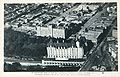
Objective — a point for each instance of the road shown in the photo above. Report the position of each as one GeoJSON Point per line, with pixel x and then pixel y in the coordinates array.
{"type": "Point", "coordinates": [23, 62]}
{"type": "Point", "coordinates": [91, 58]}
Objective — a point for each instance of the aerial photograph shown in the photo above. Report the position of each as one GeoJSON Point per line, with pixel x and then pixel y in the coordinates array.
{"type": "Point", "coordinates": [60, 37]}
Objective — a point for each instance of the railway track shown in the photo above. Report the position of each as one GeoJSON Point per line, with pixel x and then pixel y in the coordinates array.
{"type": "Point", "coordinates": [91, 57]}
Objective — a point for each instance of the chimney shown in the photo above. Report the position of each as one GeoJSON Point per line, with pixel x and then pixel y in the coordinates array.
{"type": "Point", "coordinates": [72, 46]}
{"type": "Point", "coordinates": [61, 48]}
{"type": "Point", "coordinates": [50, 46]}
{"type": "Point", "coordinates": [57, 41]}
{"type": "Point", "coordinates": [63, 41]}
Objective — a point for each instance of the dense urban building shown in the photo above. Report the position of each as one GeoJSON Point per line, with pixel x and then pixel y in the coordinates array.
{"type": "Point", "coordinates": [60, 36]}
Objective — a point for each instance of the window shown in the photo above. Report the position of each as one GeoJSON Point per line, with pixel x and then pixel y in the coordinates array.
{"type": "Point", "coordinates": [52, 62]}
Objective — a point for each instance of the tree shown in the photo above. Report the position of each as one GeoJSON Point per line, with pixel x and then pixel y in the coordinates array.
{"type": "Point", "coordinates": [108, 68]}
{"type": "Point", "coordinates": [100, 8]}
{"type": "Point", "coordinates": [16, 66]}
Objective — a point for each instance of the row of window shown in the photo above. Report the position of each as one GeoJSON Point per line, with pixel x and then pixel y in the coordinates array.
{"type": "Point", "coordinates": [58, 63]}
{"type": "Point", "coordinates": [62, 51]}
{"type": "Point", "coordinates": [55, 54]}
{"type": "Point", "coordinates": [60, 56]}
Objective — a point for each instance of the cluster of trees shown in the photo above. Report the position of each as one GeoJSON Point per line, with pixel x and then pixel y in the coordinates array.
{"type": "Point", "coordinates": [16, 66]}
{"type": "Point", "coordinates": [17, 43]}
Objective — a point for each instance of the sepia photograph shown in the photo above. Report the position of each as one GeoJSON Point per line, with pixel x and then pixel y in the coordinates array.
{"type": "Point", "coordinates": [60, 37]}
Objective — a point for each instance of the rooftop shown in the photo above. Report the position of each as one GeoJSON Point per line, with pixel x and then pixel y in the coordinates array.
{"type": "Point", "coordinates": [91, 34]}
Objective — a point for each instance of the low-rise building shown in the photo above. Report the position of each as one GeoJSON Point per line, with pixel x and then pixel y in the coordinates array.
{"type": "Point", "coordinates": [94, 36]}
{"type": "Point", "coordinates": [114, 33]}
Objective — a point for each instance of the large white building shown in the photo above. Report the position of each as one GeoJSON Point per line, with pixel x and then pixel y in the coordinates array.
{"type": "Point", "coordinates": [64, 51]}
{"type": "Point", "coordinates": [64, 54]}
{"type": "Point", "coordinates": [49, 31]}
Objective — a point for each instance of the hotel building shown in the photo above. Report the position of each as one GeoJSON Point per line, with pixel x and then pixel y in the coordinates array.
{"type": "Point", "coordinates": [64, 54]}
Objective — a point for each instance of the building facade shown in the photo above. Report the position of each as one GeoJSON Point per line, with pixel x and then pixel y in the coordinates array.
{"type": "Point", "coordinates": [61, 63]}
{"type": "Point", "coordinates": [49, 31]}
{"type": "Point", "coordinates": [64, 53]}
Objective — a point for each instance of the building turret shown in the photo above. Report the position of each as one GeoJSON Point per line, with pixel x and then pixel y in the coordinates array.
{"type": "Point", "coordinates": [77, 44]}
